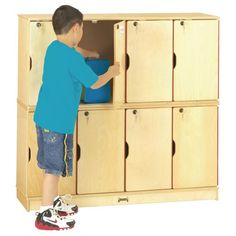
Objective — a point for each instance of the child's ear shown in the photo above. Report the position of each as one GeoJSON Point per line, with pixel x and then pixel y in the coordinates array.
{"type": "Point", "coordinates": [74, 27]}
{"type": "Point", "coordinates": [78, 26]}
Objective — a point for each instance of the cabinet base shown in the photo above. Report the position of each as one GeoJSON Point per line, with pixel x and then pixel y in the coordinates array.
{"type": "Point", "coordinates": [137, 197]}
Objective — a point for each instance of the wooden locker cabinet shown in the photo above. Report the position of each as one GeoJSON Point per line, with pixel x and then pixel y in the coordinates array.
{"type": "Point", "coordinates": [156, 140]}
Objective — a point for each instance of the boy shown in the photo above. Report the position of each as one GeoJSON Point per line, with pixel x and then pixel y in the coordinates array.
{"type": "Point", "coordinates": [64, 73]}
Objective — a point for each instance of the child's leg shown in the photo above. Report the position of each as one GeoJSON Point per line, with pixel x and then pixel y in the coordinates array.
{"type": "Point", "coordinates": [48, 218]}
{"type": "Point", "coordinates": [50, 189]}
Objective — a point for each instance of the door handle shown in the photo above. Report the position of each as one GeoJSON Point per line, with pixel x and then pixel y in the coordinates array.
{"type": "Point", "coordinates": [127, 61]}
{"type": "Point", "coordinates": [78, 152]}
{"type": "Point", "coordinates": [30, 65]}
{"type": "Point", "coordinates": [174, 60]}
{"type": "Point", "coordinates": [29, 154]}
{"type": "Point", "coordinates": [126, 150]}
{"type": "Point", "coordinates": [173, 148]}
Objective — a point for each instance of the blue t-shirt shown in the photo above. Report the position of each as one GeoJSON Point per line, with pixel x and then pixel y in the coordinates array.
{"type": "Point", "coordinates": [64, 73]}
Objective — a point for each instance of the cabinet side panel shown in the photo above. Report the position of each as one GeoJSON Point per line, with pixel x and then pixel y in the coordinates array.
{"type": "Point", "coordinates": [34, 174]}
{"type": "Point", "coordinates": [23, 59]}
{"type": "Point", "coordinates": [22, 149]}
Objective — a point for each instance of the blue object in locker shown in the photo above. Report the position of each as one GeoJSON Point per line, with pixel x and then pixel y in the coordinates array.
{"type": "Point", "coordinates": [102, 94]}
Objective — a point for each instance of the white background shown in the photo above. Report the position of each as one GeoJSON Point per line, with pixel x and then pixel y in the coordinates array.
{"type": "Point", "coordinates": [178, 218]}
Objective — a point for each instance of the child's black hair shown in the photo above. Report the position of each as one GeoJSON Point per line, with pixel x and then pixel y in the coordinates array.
{"type": "Point", "coordinates": [64, 18]}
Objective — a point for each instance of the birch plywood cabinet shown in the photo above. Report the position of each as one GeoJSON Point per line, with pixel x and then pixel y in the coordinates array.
{"type": "Point", "coordinates": [156, 140]}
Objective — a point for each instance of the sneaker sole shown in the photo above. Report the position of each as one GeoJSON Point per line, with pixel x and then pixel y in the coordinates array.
{"type": "Point", "coordinates": [47, 227]}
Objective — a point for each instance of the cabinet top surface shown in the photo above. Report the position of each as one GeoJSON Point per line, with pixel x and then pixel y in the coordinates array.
{"type": "Point", "coordinates": [127, 16]}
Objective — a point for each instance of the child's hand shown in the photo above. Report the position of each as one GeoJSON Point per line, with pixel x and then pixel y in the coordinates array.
{"type": "Point", "coordinates": [93, 54]}
{"type": "Point", "coordinates": [114, 69]}
{"type": "Point", "coordinates": [87, 53]}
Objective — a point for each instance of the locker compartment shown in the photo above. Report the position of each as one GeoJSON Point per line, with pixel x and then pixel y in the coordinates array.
{"type": "Point", "coordinates": [97, 36]}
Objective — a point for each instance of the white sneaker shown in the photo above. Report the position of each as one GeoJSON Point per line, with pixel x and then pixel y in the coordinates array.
{"type": "Point", "coordinates": [64, 208]}
{"type": "Point", "coordinates": [50, 220]}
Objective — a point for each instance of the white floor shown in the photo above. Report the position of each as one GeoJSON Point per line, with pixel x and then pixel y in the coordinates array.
{"type": "Point", "coordinates": [176, 218]}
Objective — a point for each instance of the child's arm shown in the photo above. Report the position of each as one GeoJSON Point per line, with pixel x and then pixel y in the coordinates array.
{"type": "Point", "coordinates": [82, 72]}
{"type": "Point", "coordinates": [112, 71]}
{"type": "Point", "coordinates": [87, 53]}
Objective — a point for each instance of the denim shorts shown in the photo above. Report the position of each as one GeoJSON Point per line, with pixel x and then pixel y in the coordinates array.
{"type": "Point", "coordinates": [55, 152]}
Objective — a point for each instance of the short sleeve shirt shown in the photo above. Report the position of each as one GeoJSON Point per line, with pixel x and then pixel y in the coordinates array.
{"type": "Point", "coordinates": [64, 73]}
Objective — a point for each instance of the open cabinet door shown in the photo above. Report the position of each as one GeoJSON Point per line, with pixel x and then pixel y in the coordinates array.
{"type": "Point", "coordinates": [119, 56]}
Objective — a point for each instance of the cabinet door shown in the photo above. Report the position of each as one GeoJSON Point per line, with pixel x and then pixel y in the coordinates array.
{"type": "Point", "coordinates": [148, 136]}
{"type": "Point", "coordinates": [41, 35]}
{"type": "Point", "coordinates": [67, 185]}
{"type": "Point", "coordinates": [196, 70]}
{"type": "Point", "coordinates": [101, 151]}
{"type": "Point", "coordinates": [150, 53]}
{"type": "Point", "coordinates": [119, 56]}
{"type": "Point", "coordinates": [195, 136]}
